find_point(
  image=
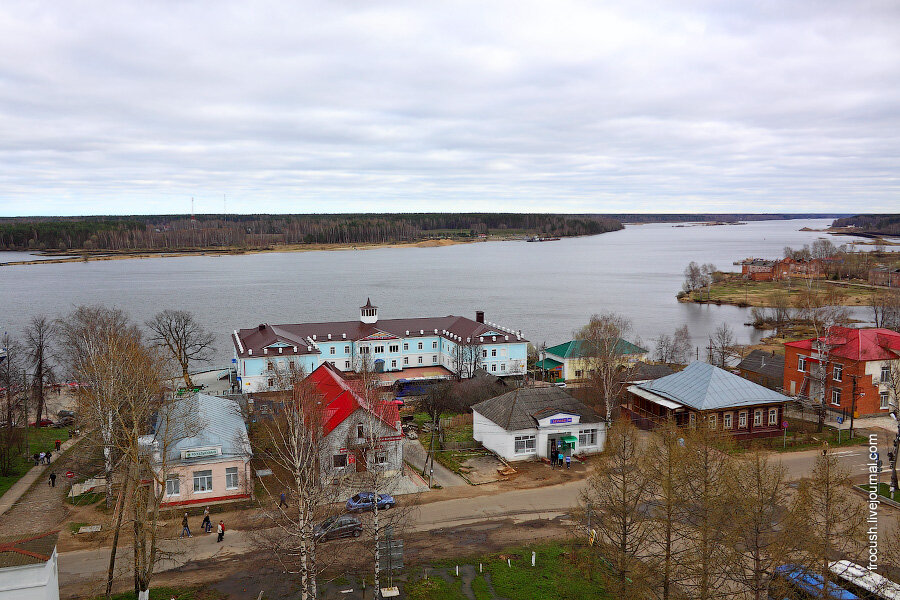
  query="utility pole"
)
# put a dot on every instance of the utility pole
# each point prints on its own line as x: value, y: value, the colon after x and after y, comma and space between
x: 852, y: 403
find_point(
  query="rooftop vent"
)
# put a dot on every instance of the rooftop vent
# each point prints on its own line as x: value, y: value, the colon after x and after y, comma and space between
x: 344, y: 335
x: 265, y: 350
x: 280, y: 350
x: 250, y: 351
x: 407, y: 332
x: 295, y: 349
x: 421, y: 332
x: 261, y: 326
x: 314, y: 336
x: 329, y: 336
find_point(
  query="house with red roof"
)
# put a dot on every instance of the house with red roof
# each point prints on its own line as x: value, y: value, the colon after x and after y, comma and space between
x: 850, y: 368
x: 360, y: 431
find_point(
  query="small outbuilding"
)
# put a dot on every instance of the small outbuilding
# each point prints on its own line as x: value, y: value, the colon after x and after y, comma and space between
x: 537, y: 422
x: 28, y: 567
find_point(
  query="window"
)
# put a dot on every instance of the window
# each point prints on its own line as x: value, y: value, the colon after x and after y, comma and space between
x: 339, y: 461
x: 712, y: 420
x: 405, y: 346
x: 271, y: 382
x: 381, y: 458
x: 524, y: 444
x: 692, y: 419
x: 885, y: 373
x: 394, y: 348
x: 360, y: 431
x: 757, y: 417
x: 203, y: 481
x: 434, y: 358
x: 836, y: 397
x: 726, y: 420
x: 579, y: 373
x: 434, y: 345
x: 742, y: 419
x: 331, y: 350
x: 801, y: 364
x: 587, y: 437
x: 494, y: 367
x: 346, y: 349
x: 484, y: 354
x: 420, y: 345
x: 405, y: 360
x: 379, y: 349
x: 346, y: 364
x: 393, y: 364
x: 773, y: 416
x: 364, y: 349
x: 493, y: 352
x: 173, y: 486
x: 838, y: 372
x: 503, y: 366
x: 231, y: 478
x: 885, y: 401
x: 421, y: 360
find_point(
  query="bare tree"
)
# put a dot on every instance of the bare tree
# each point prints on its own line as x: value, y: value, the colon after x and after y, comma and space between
x: 604, y: 359
x: 38, y: 338
x: 894, y: 403
x: 10, y: 435
x: 693, y: 278
x: 722, y: 346
x: 617, y: 494
x: 831, y: 516
x: 674, y: 349
x: 886, y: 308
x: 183, y: 338
x: 465, y: 358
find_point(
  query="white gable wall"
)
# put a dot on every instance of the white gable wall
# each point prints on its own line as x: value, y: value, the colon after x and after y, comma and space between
x: 30, y: 582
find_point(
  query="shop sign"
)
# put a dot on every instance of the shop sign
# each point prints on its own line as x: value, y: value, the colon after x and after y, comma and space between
x: 200, y: 452
x: 560, y: 420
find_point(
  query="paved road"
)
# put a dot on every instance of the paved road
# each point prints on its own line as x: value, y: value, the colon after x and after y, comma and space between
x: 415, y: 454
x: 18, y: 489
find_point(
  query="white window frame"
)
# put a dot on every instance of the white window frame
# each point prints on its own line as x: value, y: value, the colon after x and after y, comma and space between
x: 200, y: 477
x: 587, y: 438
x: 494, y: 367
x: 405, y: 360
x: 434, y: 344
x: 528, y: 444
x: 173, y: 490
x: 346, y: 364
x: 837, y: 372
x: 773, y: 416
x: 712, y: 420
x: 502, y: 367
x: 757, y: 417
x: 434, y: 359
x: 421, y: 360
x: 394, y: 364
x: 484, y: 353
x: 801, y: 364
x: 884, y: 401
x: 727, y: 421
x: 381, y: 459
x: 405, y: 346
x: 379, y: 349
x: 742, y: 419
x: 394, y: 348
x: 331, y: 350
x: 836, y: 396
x: 346, y: 349
x: 338, y: 458
x: 493, y: 352
x: 420, y: 345
x: 885, y: 374
x: 232, y: 481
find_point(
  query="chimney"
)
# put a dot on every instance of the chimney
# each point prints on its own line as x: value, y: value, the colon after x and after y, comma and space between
x: 262, y: 326
x: 479, y: 316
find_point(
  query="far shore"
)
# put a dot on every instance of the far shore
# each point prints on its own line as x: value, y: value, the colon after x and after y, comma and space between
x: 93, y: 255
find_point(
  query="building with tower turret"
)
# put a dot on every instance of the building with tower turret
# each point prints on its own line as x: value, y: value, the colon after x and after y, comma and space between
x: 440, y: 347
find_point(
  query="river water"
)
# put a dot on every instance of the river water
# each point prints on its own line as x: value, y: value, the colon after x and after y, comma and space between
x: 545, y: 289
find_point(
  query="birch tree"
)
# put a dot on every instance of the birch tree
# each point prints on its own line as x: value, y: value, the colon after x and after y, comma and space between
x: 602, y: 356
x: 38, y: 338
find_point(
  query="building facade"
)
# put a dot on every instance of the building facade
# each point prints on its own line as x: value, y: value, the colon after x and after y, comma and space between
x: 851, y: 369
x: 884, y: 276
x: 764, y: 368
x: 201, y: 445
x: 571, y: 361
x: 759, y: 269
x: 704, y: 395
x: 457, y: 345
x: 538, y: 422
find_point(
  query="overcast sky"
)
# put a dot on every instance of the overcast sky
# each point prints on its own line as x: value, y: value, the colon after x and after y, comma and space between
x: 352, y: 105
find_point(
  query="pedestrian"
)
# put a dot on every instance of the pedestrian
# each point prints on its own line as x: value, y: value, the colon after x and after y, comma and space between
x: 36, y: 461
x: 282, y: 501
x: 49, y: 455
x: 42, y: 456
x: 52, y: 482
x: 221, y: 531
x: 58, y: 445
x: 206, y: 525
x: 184, y: 527
x: 568, y: 461
x: 560, y: 458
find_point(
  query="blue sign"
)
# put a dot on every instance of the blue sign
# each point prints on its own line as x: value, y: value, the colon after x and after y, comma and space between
x: 561, y: 420
x: 840, y: 420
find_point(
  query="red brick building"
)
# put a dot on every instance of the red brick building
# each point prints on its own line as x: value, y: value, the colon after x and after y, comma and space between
x: 884, y: 276
x: 856, y: 365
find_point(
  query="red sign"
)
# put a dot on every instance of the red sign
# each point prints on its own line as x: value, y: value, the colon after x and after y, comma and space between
x: 351, y: 459
x: 70, y: 474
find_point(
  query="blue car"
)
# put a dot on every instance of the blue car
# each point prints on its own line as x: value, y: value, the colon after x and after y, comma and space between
x: 366, y: 501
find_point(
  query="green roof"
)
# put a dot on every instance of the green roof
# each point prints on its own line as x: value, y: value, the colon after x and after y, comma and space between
x: 580, y: 349
x: 548, y: 364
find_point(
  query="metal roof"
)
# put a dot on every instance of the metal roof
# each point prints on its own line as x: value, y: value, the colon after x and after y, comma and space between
x: 202, y: 420
x: 522, y: 407
x: 765, y: 363
x: 702, y: 386
x: 34, y: 550
x: 548, y: 363
x: 582, y: 348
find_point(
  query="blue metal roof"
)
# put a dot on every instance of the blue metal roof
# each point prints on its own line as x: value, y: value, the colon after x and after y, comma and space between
x: 702, y: 386
x: 202, y: 420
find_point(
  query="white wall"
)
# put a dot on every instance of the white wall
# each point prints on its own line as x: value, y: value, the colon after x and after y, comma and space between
x: 493, y: 437
x: 30, y: 582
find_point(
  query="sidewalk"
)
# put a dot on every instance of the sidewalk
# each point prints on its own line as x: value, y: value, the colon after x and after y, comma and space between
x: 12, y: 495
x: 415, y: 454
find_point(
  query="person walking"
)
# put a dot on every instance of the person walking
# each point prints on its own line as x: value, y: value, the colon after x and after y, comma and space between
x: 220, y: 529
x: 206, y: 525
x: 283, y: 500
x: 58, y: 445
x: 568, y: 461
x: 36, y: 457
x: 559, y: 457
x: 184, y: 527
x: 52, y: 482
x: 48, y: 456
x: 41, y: 457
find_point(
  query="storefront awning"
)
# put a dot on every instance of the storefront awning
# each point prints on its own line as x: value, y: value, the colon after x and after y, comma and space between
x: 548, y: 364
x: 570, y: 439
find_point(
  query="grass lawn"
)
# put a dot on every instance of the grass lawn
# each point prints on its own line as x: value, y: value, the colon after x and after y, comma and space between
x: 39, y: 440
x: 434, y: 588
x: 884, y: 489
x: 462, y: 434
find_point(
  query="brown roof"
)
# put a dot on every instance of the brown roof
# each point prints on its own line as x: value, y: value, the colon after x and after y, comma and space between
x: 301, y: 335
x: 17, y: 551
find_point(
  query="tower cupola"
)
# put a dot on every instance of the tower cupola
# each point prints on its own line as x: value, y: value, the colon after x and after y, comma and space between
x: 368, y: 314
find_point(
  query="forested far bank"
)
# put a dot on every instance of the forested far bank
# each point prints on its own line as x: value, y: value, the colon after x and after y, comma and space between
x: 171, y: 232
x: 871, y: 224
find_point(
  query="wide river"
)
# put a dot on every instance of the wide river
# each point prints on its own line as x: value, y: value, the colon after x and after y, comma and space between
x: 546, y: 289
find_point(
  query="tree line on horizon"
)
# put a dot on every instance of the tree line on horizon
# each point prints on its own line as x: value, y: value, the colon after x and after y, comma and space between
x: 170, y: 232
x: 872, y: 224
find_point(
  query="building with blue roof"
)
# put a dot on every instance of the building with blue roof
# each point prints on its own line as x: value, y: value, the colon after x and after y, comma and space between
x: 709, y: 395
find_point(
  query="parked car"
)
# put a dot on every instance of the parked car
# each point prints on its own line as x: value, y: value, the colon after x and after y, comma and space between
x: 337, y: 527
x: 65, y: 413
x: 42, y: 423
x: 66, y: 421
x: 366, y: 501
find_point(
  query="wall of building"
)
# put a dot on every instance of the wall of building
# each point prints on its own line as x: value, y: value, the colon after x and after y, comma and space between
x: 31, y: 582
x: 185, y: 473
x: 503, y: 442
x: 343, y: 440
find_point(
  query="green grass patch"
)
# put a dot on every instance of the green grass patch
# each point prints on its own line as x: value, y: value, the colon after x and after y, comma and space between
x: 434, y: 588
x: 883, y: 490
x: 40, y: 439
x: 558, y: 575
x: 481, y: 589
x: 74, y: 527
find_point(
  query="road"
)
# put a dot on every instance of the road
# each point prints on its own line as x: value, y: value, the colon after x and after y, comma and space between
x: 415, y: 455
x: 519, y: 505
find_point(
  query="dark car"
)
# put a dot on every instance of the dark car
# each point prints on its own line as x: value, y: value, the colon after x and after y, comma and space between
x: 366, y: 501
x: 65, y: 422
x: 337, y: 527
